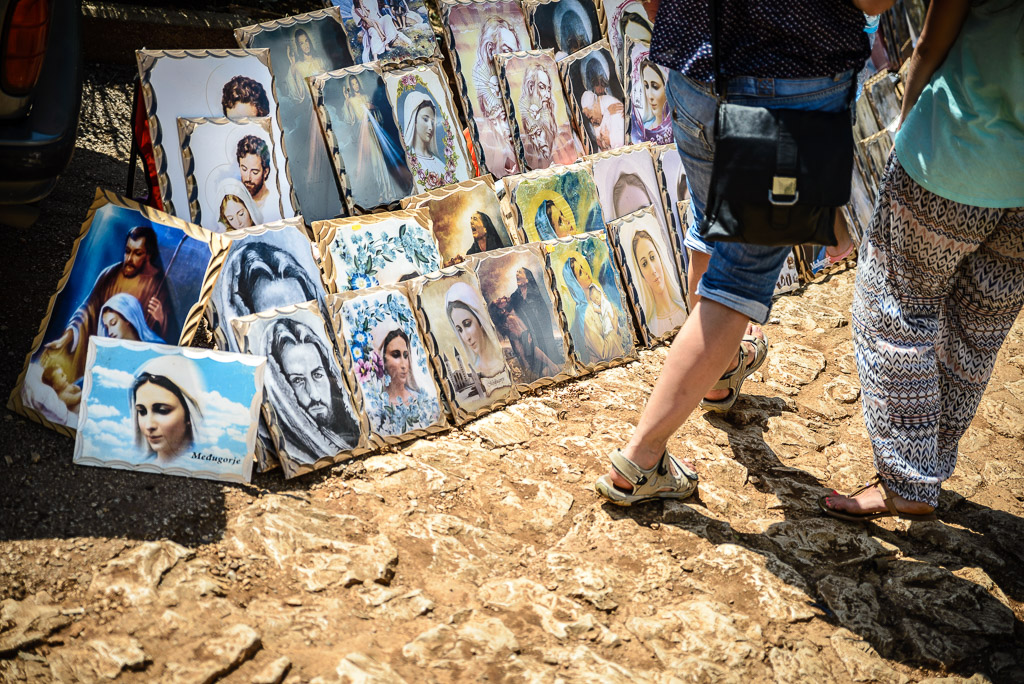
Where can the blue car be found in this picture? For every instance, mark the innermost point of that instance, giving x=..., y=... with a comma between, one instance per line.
x=40, y=95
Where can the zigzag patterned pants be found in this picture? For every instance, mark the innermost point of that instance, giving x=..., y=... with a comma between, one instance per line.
x=939, y=285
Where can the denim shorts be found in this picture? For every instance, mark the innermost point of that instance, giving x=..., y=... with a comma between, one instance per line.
x=739, y=276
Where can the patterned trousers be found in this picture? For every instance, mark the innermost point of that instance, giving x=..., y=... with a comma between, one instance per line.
x=939, y=285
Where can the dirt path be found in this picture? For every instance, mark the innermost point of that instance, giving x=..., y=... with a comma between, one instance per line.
x=484, y=555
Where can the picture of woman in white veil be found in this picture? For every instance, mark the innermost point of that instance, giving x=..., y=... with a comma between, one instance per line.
x=481, y=350
x=660, y=298
x=165, y=401
x=235, y=207
x=422, y=145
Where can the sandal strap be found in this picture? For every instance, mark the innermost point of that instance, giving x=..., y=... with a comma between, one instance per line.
x=631, y=472
x=732, y=379
x=887, y=497
x=651, y=481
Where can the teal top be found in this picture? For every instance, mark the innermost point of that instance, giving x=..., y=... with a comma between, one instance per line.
x=964, y=138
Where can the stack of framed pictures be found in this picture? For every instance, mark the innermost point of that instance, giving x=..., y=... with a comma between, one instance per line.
x=392, y=132
x=214, y=83
x=134, y=274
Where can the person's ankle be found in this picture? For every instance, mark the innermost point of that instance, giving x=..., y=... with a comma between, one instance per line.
x=643, y=456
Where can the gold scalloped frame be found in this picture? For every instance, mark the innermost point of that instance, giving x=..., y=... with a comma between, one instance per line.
x=572, y=101
x=316, y=87
x=512, y=184
x=501, y=63
x=585, y=368
x=674, y=231
x=426, y=199
x=335, y=303
x=568, y=369
x=614, y=228
x=455, y=61
x=433, y=64
x=218, y=251
x=530, y=8
x=192, y=353
x=147, y=59
x=242, y=327
x=324, y=233
x=460, y=415
x=187, y=127
x=216, y=330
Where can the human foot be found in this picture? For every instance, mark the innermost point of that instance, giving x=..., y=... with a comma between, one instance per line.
x=874, y=500
x=753, y=331
x=643, y=459
x=668, y=478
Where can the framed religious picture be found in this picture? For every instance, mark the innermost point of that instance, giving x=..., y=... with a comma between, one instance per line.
x=565, y=26
x=267, y=267
x=300, y=47
x=389, y=362
x=647, y=109
x=644, y=253
x=476, y=31
x=466, y=219
x=366, y=149
x=860, y=207
x=205, y=83
x=627, y=180
x=360, y=252
x=314, y=417
x=431, y=133
x=595, y=97
x=521, y=303
x=180, y=411
x=387, y=30
x=789, y=278
x=230, y=172
x=880, y=91
x=463, y=343
x=628, y=18
x=556, y=202
x=134, y=274
x=537, y=112
x=674, y=191
x=684, y=210
x=591, y=301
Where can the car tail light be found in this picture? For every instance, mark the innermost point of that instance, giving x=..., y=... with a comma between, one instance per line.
x=23, y=45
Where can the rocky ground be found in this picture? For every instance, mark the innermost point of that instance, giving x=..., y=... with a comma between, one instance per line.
x=483, y=554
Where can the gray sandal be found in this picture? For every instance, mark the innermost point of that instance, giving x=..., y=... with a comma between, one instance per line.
x=733, y=379
x=669, y=479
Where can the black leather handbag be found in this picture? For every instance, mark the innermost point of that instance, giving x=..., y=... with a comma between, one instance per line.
x=779, y=175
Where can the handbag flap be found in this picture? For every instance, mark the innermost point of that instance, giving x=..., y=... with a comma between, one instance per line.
x=759, y=151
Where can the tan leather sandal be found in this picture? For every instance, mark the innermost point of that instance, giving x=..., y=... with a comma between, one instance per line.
x=733, y=379
x=669, y=479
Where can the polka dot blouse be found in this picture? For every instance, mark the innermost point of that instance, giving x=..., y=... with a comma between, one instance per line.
x=765, y=39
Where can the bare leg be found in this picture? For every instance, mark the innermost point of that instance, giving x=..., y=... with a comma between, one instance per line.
x=701, y=353
x=698, y=265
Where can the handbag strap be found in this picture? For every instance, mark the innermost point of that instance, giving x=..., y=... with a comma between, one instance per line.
x=717, y=87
